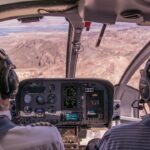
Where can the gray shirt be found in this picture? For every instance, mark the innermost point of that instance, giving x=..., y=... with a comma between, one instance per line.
x=135, y=136
x=32, y=138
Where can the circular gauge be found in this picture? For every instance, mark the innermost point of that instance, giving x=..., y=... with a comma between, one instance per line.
x=27, y=109
x=40, y=100
x=51, y=99
x=27, y=99
x=70, y=91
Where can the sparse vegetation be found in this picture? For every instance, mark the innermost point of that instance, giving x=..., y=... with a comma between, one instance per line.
x=40, y=54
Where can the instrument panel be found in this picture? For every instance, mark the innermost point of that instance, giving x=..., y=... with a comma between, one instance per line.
x=63, y=102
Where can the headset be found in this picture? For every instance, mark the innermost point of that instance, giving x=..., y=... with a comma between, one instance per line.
x=144, y=85
x=8, y=78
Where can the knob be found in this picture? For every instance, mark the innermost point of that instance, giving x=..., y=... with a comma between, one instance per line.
x=51, y=99
x=40, y=100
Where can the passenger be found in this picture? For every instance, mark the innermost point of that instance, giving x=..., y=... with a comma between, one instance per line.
x=135, y=136
x=13, y=137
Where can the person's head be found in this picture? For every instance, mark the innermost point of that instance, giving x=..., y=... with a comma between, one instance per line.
x=92, y=144
x=8, y=81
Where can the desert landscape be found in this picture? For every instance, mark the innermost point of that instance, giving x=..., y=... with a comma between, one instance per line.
x=39, y=50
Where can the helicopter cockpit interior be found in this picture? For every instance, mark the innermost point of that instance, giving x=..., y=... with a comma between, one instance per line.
x=79, y=106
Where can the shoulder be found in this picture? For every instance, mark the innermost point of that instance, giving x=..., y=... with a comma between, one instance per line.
x=41, y=132
x=35, y=138
x=114, y=134
x=120, y=134
x=121, y=129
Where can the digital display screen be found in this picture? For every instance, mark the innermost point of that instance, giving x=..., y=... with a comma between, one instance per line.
x=89, y=90
x=70, y=97
x=70, y=102
x=91, y=113
x=72, y=116
x=95, y=104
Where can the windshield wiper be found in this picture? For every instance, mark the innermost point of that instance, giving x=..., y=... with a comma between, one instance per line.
x=101, y=35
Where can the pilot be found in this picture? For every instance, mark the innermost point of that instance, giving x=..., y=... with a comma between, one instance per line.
x=13, y=137
x=135, y=136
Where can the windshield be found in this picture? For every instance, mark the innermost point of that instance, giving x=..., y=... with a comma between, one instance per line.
x=39, y=49
x=120, y=44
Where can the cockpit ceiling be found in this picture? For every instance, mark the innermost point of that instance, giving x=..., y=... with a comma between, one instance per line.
x=136, y=10
x=52, y=2
x=110, y=11
x=10, y=9
x=7, y=5
x=102, y=11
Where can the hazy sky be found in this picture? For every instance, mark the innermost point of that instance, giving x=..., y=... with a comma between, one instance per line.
x=43, y=22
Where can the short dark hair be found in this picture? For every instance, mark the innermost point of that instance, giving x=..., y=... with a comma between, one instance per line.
x=92, y=144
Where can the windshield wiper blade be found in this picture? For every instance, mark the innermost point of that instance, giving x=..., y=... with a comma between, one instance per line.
x=101, y=35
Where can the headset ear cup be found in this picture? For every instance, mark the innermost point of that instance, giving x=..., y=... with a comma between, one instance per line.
x=4, y=84
x=9, y=83
x=144, y=90
x=13, y=82
x=8, y=78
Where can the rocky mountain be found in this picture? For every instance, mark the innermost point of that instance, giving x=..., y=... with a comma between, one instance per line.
x=43, y=54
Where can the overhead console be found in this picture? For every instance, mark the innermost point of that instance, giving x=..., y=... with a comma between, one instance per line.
x=64, y=102
x=102, y=11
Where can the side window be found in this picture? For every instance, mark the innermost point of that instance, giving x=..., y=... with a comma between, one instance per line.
x=134, y=82
x=135, y=79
